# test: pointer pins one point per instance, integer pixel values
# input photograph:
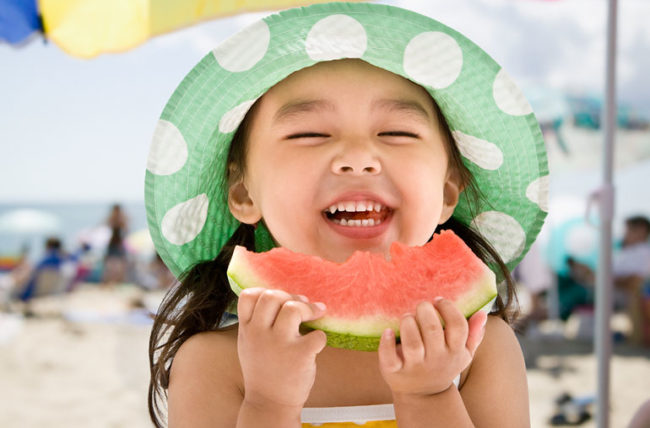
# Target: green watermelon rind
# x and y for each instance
(360, 335)
(337, 339)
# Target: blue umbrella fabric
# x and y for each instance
(19, 19)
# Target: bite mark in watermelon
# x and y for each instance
(367, 293)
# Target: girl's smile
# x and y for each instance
(358, 215)
(344, 156)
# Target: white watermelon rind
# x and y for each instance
(364, 333)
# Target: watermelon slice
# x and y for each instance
(366, 294)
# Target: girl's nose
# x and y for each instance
(356, 159)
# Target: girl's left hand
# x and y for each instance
(429, 357)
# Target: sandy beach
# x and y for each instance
(82, 362)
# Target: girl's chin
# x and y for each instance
(341, 253)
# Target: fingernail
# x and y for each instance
(302, 298)
(320, 305)
(484, 322)
(437, 299)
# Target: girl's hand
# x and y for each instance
(278, 363)
(429, 357)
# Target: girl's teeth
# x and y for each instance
(355, 207)
(357, 223)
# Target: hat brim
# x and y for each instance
(492, 123)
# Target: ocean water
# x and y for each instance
(72, 220)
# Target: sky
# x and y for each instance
(75, 130)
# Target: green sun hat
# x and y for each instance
(491, 122)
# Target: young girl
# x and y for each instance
(327, 130)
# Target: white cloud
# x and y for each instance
(561, 44)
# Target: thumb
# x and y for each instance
(476, 331)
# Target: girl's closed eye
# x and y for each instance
(307, 135)
(399, 134)
(399, 137)
(308, 138)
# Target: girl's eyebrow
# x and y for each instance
(295, 107)
(301, 106)
(403, 105)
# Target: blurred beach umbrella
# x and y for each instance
(18, 20)
(28, 221)
(87, 28)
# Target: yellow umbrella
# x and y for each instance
(86, 28)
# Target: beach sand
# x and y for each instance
(93, 371)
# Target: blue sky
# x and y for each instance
(79, 130)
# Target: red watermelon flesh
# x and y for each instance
(367, 293)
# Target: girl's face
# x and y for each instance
(344, 156)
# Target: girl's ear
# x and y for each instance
(241, 205)
(451, 194)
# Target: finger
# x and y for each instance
(293, 312)
(246, 303)
(315, 340)
(430, 326)
(476, 331)
(455, 324)
(268, 306)
(412, 346)
(389, 361)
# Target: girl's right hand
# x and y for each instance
(278, 363)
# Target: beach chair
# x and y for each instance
(50, 281)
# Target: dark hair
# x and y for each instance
(639, 221)
(52, 243)
(199, 301)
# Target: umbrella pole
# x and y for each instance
(604, 282)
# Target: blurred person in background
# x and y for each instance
(84, 261)
(16, 278)
(117, 218)
(47, 276)
(631, 272)
(633, 260)
(575, 288)
(115, 260)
